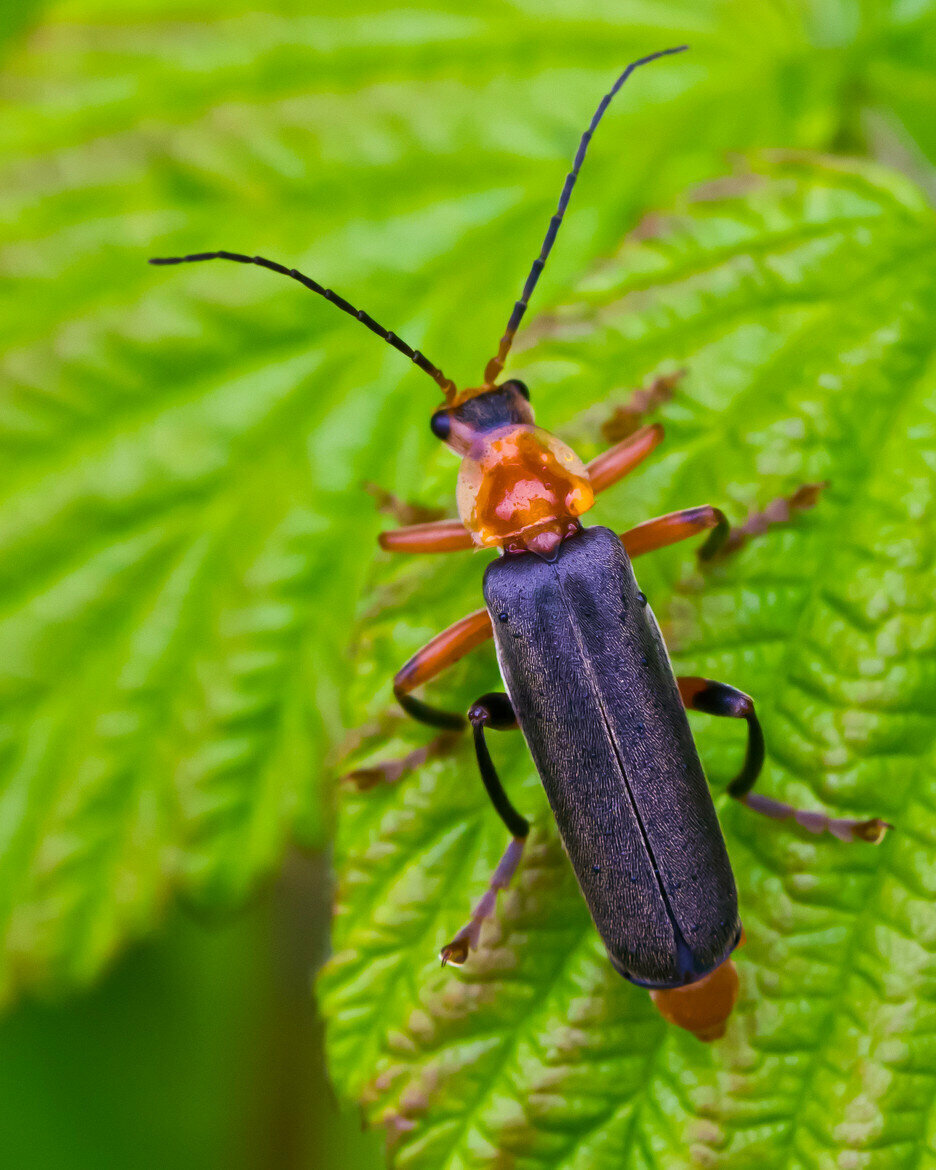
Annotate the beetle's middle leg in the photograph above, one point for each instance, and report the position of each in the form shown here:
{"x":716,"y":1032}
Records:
{"x":714,"y":698}
{"x":675,"y":526}
{"x":494,"y":711}
{"x":443,"y":651}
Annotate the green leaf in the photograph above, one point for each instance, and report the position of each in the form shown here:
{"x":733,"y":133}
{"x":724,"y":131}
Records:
{"x":800,"y":301}
{"x":183,"y":537}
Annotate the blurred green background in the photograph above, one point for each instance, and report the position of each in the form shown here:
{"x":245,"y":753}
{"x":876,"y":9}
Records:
{"x":201,"y":1048}
{"x":184,"y":533}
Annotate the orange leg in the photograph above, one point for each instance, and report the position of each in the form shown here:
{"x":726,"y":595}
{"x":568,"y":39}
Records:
{"x":610,"y":466}
{"x":443,"y":651}
{"x":676,"y":526}
{"x":437,"y":537}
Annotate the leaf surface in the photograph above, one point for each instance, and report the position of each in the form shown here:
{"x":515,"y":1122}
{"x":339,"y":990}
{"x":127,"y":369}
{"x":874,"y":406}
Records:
{"x":183,"y":534}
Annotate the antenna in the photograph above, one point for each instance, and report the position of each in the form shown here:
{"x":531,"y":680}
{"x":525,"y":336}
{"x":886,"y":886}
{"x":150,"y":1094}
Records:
{"x":496,"y":364}
{"x":448,"y":386}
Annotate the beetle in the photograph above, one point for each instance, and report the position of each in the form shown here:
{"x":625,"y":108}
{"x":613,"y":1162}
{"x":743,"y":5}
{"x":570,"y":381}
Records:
{"x":588,"y":679}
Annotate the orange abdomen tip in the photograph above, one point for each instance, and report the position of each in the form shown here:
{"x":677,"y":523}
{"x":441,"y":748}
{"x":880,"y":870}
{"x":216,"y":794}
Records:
{"x":703,"y":1007}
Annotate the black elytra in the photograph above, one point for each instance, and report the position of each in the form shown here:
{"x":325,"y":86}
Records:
{"x":598,"y":705}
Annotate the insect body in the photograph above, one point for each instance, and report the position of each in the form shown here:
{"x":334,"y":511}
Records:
{"x":593,"y":691}
{"x":587,"y":676}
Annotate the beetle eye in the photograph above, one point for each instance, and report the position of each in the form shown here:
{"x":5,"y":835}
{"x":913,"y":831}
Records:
{"x":440,"y":424}
{"x":520,"y":387}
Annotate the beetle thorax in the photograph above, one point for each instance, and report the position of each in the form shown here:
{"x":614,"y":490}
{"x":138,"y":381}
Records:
{"x":522,"y":489}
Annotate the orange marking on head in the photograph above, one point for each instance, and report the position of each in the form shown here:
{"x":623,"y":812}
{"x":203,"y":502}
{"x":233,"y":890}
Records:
{"x":463,"y":395}
{"x":518,"y":481}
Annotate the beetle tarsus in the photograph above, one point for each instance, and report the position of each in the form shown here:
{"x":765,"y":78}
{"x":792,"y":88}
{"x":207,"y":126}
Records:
{"x":467,"y":939}
{"x":778,"y":511}
{"x":625,"y":420}
{"x":391,"y":771}
{"x":872,"y":831}
{"x":715,"y":698}
{"x":456,"y":952}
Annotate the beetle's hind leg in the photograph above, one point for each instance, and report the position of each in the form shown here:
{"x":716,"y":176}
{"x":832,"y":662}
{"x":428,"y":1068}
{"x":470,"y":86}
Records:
{"x":715,"y":698}
{"x":494,"y":711}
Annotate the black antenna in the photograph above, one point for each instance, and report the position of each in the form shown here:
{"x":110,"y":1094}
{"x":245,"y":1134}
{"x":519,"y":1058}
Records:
{"x":496,"y":364}
{"x":448,"y":387}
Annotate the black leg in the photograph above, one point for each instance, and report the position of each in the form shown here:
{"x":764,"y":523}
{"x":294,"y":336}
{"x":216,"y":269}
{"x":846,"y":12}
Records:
{"x":494,"y":711}
{"x":714,"y":698}
{"x":701,"y":694}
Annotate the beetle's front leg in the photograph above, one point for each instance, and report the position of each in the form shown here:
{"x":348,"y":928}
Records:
{"x":494,"y":711}
{"x":437,"y":536}
{"x":714,"y":698}
{"x":612,"y":465}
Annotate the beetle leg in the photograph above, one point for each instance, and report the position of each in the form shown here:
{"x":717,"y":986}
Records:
{"x":714,"y":698}
{"x":779,"y":511}
{"x":625,"y":419}
{"x":496,"y":712}
{"x":390,"y":771}
{"x":436,"y":537}
{"x":612,"y":465}
{"x":443,"y":651}
{"x":676,"y":526}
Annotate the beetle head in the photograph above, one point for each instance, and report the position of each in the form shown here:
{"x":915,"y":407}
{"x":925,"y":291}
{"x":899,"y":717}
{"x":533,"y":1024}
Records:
{"x":519,"y":488}
{"x":475,"y":413}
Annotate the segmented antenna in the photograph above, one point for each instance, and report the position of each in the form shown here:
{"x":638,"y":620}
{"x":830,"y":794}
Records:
{"x":496,"y":364}
{"x":448,"y":386}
